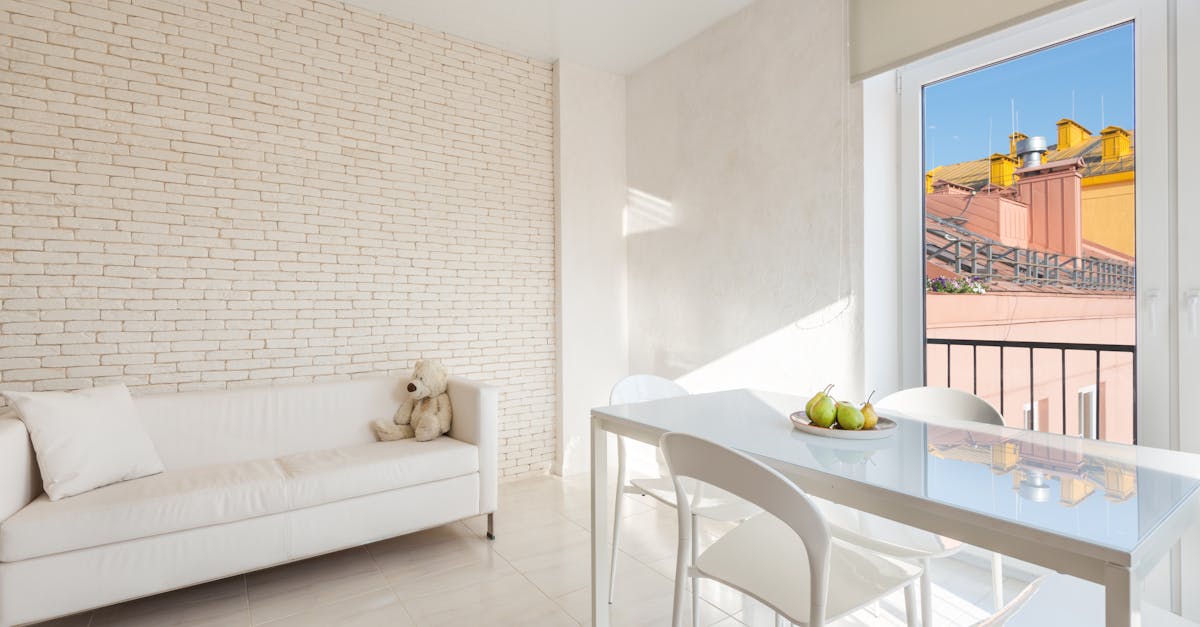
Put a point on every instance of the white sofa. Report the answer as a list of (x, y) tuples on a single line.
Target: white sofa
[(254, 477)]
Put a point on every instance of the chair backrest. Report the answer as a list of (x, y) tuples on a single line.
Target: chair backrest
[(742, 476), (941, 405), (644, 387)]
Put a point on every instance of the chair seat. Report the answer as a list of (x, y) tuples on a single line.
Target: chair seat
[(884, 535), (714, 503), (1062, 600), (763, 557)]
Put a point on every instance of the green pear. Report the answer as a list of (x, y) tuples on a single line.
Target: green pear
[(870, 418), (848, 417), (824, 412), (808, 407)]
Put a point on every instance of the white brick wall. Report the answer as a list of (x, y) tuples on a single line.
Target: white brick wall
[(207, 194)]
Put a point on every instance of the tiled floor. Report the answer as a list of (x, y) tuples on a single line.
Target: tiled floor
[(534, 574)]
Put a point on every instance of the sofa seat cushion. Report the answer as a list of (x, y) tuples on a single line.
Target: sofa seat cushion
[(318, 477), (172, 501)]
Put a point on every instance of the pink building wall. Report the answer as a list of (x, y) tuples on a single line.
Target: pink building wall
[(1038, 317), (990, 215)]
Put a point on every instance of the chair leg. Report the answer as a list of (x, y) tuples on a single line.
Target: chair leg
[(695, 582), (491, 532), (997, 581), (926, 595), (612, 572), (681, 579), (910, 605)]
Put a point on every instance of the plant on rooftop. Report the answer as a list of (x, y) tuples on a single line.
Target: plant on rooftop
[(959, 285)]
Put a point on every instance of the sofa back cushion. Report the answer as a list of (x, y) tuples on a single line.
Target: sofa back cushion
[(193, 429)]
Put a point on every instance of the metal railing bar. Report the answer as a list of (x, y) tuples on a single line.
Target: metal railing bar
[(1112, 348), (1001, 380), (1096, 403), (1032, 407), (1063, 356), (974, 369)]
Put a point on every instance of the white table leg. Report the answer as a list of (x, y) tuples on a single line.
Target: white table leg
[(600, 533), (1122, 597)]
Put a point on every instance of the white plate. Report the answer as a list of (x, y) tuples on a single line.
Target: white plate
[(883, 429)]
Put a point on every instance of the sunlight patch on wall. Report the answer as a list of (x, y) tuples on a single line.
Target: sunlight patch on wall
[(646, 212), (813, 350)]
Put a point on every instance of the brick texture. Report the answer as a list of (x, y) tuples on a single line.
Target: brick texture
[(208, 194)]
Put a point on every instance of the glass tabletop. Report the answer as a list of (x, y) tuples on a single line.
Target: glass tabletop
[(1106, 494)]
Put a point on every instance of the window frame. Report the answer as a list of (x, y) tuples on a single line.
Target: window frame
[(1154, 348)]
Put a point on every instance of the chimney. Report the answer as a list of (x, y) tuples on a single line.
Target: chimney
[(1030, 151), (1052, 191), (1115, 143), (1071, 133), (1013, 140), (1002, 169)]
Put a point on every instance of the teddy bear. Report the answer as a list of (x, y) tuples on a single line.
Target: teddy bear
[(425, 414)]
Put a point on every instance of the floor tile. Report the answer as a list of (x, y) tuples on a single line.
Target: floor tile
[(642, 598), (220, 603), (539, 537), (430, 561), (509, 600), (301, 586), (379, 608)]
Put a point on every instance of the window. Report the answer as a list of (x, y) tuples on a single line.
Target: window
[(1140, 413), (1029, 225), (1089, 423)]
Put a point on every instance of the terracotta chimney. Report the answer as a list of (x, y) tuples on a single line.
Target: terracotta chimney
[(1052, 192)]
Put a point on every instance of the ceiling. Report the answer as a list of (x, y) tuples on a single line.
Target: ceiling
[(619, 36)]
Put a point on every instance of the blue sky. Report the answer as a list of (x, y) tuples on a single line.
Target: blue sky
[(958, 110)]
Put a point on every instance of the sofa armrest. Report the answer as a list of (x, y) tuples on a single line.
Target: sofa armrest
[(20, 481), (475, 408)]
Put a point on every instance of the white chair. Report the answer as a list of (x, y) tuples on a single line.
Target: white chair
[(785, 557), (931, 404), (706, 503), (1061, 600)]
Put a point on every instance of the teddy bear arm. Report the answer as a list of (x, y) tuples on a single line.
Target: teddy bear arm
[(404, 414), (444, 412)]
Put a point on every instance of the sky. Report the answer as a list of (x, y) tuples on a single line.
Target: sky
[(1041, 84)]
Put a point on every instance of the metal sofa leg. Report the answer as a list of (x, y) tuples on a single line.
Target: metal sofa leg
[(490, 534)]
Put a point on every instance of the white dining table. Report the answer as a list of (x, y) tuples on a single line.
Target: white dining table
[(1096, 510)]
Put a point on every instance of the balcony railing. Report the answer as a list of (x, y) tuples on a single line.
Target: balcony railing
[(990, 261), (1026, 350)]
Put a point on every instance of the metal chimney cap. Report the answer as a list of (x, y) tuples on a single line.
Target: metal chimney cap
[(1031, 144)]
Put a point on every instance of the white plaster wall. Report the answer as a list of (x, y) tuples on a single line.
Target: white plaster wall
[(592, 338), (745, 218), (881, 224)]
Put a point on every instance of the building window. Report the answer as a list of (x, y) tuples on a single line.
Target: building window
[(1089, 417)]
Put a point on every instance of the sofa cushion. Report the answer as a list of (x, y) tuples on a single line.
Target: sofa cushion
[(319, 477), (86, 439), (194, 429), (163, 503)]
